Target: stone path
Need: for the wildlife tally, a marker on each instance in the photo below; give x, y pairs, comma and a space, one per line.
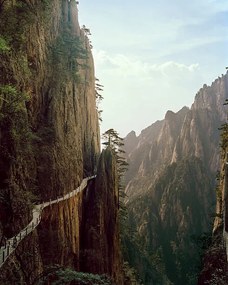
12, 243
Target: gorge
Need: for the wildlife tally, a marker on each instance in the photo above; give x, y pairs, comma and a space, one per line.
61, 217
171, 184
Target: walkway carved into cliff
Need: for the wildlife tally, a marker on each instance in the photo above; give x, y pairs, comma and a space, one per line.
12, 243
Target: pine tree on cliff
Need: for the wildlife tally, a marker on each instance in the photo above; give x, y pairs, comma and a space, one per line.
112, 139
99, 97
115, 142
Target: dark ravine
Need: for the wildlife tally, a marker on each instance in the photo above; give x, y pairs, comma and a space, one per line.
50, 141
171, 181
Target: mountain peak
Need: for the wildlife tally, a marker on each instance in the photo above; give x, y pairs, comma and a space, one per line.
182, 112
131, 135
169, 115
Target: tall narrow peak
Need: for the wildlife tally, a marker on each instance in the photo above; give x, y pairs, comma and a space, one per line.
100, 230
50, 141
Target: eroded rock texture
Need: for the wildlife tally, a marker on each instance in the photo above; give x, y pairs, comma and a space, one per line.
171, 182
50, 139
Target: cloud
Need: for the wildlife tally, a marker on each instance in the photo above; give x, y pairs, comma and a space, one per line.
154, 55
170, 66
132, 66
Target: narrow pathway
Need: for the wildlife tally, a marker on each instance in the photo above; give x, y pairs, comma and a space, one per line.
12, 243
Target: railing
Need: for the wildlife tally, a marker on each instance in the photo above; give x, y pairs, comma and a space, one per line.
11, 244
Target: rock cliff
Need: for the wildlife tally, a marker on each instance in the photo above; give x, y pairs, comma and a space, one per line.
49, 141
100, 211
172, 168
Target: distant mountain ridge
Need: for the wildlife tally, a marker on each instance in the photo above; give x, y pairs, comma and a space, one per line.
189, 132
170, 182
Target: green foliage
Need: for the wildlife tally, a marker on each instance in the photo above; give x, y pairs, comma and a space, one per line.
99, 97
4, 47
67, 54
203, 242
183, 183
218, 193
14, 101
59, 276
15, 22
16, 200
112, 139
46, 3
130, 275
224, 136
13, 115
98, 88
115, 142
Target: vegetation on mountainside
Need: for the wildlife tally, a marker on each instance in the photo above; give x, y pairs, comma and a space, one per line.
15, 145
58, 276
112, 140
67, 54
115, 142
215, 266
168, 242
3, 45
13, 115
98, 88
224, 136
24, 68
48, 125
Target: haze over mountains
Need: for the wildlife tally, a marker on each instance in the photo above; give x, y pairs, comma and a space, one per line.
171, 179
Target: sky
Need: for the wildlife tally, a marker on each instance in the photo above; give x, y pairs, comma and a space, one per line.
153, 56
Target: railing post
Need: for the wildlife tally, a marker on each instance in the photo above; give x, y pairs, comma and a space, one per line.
7, 252
20, 236
26, 231
3, 256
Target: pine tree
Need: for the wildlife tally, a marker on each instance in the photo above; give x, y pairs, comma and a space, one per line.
112, 139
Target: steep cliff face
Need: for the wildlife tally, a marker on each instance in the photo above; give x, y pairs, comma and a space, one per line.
153, 151
215, 261
55, 140
171, 178
49, 137
100, 231
85, 236
179, 135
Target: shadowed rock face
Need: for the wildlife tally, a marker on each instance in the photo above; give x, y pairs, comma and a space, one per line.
54, 141
171, 178
100, 248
